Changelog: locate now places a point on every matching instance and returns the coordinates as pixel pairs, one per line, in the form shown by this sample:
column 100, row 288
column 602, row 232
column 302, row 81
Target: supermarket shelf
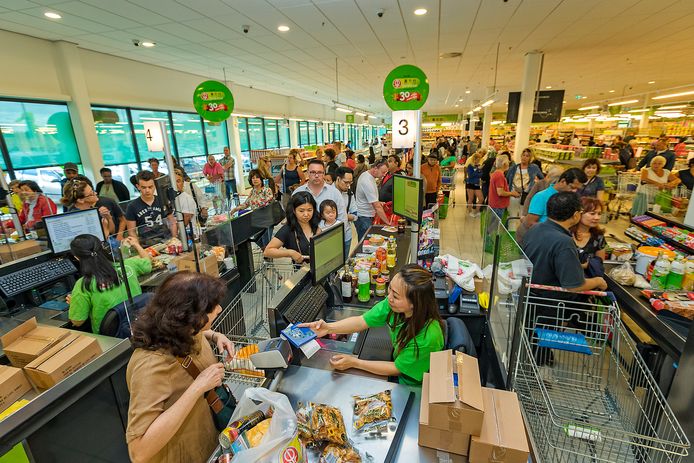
column 575, row 162
column 675, row 244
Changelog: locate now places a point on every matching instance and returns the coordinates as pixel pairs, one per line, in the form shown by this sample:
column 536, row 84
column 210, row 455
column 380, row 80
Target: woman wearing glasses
column 78, row 195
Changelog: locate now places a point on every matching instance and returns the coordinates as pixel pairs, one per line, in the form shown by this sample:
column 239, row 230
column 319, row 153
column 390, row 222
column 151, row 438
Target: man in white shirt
column 343, row 183
column 185, row 204
column 321, row 191
column 368, row 205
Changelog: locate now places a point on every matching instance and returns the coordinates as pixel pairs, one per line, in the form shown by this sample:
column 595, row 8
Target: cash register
column 311, row 294
column 36, row 280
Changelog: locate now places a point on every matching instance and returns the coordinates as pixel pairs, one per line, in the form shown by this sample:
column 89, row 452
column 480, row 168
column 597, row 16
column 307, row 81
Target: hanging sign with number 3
column 404, row 123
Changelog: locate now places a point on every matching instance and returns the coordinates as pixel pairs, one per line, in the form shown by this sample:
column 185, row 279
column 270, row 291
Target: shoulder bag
column 524, row 194
column 201, row 219
column 220, row 399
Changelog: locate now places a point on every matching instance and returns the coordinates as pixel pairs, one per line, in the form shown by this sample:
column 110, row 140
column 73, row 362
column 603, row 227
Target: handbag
column 220, row 399
column 524, row 194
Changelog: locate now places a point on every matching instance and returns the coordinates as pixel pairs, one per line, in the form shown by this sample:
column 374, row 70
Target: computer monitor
column 62, row 228
column 327, row 252
column 163, row 184
column 407, row 197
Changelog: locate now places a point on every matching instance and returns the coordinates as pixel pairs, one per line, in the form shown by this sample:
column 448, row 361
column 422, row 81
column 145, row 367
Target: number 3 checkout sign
column 405, row 91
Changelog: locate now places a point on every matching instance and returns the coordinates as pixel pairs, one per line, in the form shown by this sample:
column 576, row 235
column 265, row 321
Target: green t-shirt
column 411, row 363
column 448, row 161
column 94, row 304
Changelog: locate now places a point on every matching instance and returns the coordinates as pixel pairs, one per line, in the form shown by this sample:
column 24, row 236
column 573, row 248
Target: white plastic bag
column 281, row 442
column 462, row 272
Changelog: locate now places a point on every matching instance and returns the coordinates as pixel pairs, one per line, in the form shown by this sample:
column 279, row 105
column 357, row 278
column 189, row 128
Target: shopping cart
column 448, row 185
column 244, row 321
column 627, row 184
column 585, row 391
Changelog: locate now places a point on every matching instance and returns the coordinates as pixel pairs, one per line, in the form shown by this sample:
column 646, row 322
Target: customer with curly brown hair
column 168, row 418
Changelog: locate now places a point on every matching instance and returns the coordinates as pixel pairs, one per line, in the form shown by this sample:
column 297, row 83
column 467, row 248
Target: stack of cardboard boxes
column 42, row 356
column 459, row 416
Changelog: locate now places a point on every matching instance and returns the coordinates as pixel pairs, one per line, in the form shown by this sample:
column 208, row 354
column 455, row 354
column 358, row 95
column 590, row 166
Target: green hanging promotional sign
column 406, row 88
column 213, row 101
column 349, row 118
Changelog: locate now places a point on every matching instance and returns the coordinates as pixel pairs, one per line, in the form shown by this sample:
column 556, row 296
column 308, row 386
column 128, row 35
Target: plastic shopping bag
column 281, row 442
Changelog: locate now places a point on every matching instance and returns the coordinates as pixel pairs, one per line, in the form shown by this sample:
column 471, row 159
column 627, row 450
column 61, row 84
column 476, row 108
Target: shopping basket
column 585, row 391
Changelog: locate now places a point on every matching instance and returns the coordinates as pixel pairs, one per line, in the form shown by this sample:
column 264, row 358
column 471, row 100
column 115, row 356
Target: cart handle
column 609, row 294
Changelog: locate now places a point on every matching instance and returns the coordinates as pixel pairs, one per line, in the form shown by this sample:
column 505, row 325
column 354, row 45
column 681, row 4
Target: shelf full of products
column 675, row 236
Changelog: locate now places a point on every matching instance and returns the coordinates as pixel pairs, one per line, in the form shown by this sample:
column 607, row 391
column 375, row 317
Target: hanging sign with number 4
column 404, row 123
column 154, row 137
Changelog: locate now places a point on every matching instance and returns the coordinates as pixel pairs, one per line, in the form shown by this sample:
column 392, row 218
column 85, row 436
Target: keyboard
column 307, row 305
column 36, row 275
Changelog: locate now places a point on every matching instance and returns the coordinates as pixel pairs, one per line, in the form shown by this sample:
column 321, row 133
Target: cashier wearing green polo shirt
column 416, row 328
column 99, row 289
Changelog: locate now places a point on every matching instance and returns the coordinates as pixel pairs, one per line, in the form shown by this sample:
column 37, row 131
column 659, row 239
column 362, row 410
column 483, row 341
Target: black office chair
column 115, row 322
column 457, row 337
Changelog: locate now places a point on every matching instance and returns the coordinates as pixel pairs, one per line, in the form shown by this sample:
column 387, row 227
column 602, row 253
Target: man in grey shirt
column 343, row 183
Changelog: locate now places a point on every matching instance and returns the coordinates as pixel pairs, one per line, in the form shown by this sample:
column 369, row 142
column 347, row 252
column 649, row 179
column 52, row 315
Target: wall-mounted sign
column 406, row 88
column 154, row 136
column 349, row 118
column 213, row 101
column 404, row 124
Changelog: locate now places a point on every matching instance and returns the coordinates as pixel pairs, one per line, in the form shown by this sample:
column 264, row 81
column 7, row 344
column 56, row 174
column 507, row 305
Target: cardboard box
column 449, row 441
column 62, row 360
column 460, row 409
column 29, row 340
column 208, row 265
column 502, row 439
column 14, row 251
column 13, row 385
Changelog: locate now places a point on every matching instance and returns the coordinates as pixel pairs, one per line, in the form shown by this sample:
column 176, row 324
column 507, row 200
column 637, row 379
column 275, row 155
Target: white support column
column 294, row 134
column 326, row 135
column 531, row 81
column 235, row 148
column 486, row 126
column 71, row 76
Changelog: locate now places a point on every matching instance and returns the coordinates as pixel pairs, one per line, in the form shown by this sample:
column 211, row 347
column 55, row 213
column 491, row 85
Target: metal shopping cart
column 627, row 184
column 448, row 184
column 585, row 391
column 244, row 321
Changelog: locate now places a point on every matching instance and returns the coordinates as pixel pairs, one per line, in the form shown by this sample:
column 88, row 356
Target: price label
column 404, row 128
column 154, row 137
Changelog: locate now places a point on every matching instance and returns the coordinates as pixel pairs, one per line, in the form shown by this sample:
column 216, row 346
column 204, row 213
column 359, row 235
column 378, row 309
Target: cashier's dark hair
column 177, row 312
column 298, row 199
column 420, row 292
column 95, row 264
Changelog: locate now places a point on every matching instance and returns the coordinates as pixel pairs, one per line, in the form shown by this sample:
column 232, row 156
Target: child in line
column 328, row 214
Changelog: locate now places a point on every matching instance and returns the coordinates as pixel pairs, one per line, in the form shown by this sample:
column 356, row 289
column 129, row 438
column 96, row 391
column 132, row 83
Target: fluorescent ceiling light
column 476, row 109
column 420, row 11
column 343, row 110
column 283, row 28
column 586, row 108
column 673, row 95
column 457, row 105
column 373, row 117
column 148, row 44
column 294, row 119
column 359, row 114
column 622, row 102
column 470, row 112
column 238, row 115
column 52, row 15
column 654, row 117
column 677, row 106
column 592, row 116
column 446, row 124
column 584, row 97
column 273, row 118
column 611, row 91
column 428, row 124
column 548, row 87
column 467, row 91
column 487, row 103
column 638, row 110
column 651, row 82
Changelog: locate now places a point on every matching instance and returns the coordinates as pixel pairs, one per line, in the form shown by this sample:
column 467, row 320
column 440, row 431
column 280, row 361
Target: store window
column 271, row 136
column 303, row 133
column 283, row 129
column 188, row 133
column 256, row 136
column 139, row 117
column 312, row 139
column 37, row 134
column 114, row 134
column 243, row 134
column 122, row 173
column 319, row 132
column 217, row 137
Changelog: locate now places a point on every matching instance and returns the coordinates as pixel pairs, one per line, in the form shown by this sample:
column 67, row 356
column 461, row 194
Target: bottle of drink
column 346, row 284
column 688, row 284
column 661, row 269
column 391, row 255
column 364, row 292
column 676, row 275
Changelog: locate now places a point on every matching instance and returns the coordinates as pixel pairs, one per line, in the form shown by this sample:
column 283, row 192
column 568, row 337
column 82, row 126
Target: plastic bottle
column 676, row 275
column 364, row 289
column 688, row 283
column 391, row 256
column 661, row 269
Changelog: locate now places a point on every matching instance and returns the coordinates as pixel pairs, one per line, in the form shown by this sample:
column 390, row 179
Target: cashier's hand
column 209, row 378
column 343, row 362
column 224, row 345
column 320, row 327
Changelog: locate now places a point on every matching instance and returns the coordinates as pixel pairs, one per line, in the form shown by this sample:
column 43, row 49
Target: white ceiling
column 591, row 46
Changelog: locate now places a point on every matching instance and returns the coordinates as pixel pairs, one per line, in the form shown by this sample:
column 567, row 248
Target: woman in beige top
column 169, row 419
column 656, row 177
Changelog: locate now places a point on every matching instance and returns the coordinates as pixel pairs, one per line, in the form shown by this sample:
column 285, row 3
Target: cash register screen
column 327, row 252
column 62, row 228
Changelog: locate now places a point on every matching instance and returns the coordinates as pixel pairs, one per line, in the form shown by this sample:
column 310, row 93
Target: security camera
column 136, row 42
column 246, row 28
column 380, row 12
